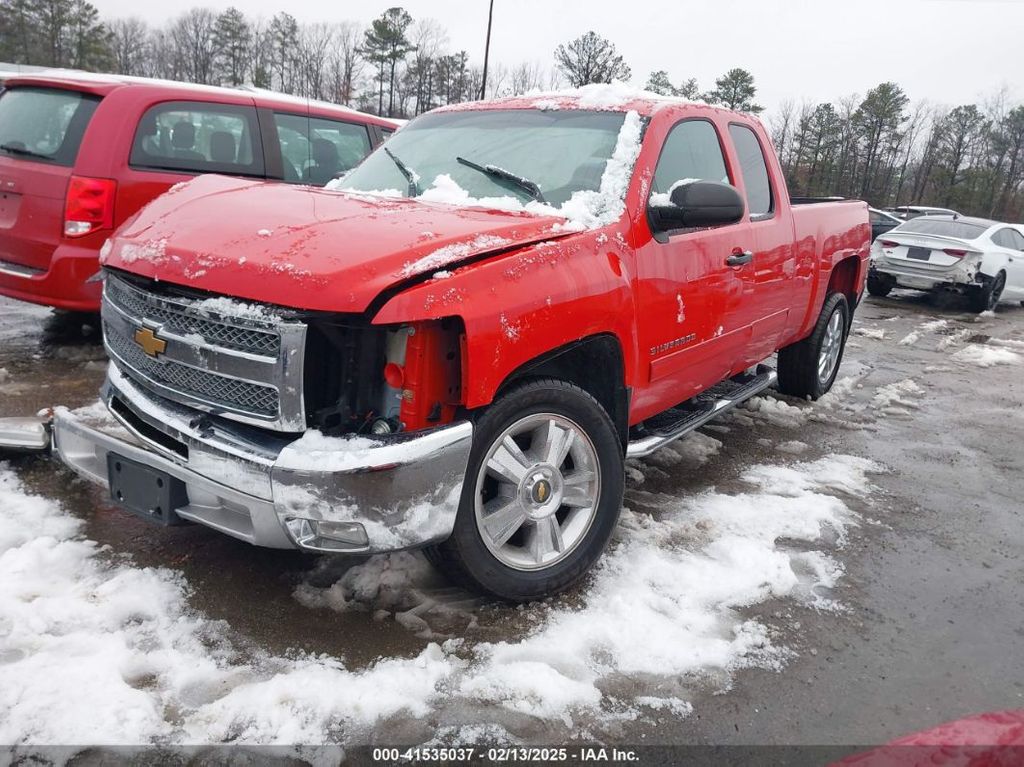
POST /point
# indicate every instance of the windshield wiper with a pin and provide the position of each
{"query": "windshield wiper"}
(405, 170)
(20, 150)
(494, 171)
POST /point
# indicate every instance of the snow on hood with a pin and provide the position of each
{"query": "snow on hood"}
(308, 248)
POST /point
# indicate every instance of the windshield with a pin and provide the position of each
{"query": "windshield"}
(944, 227)
(561, 152)
(44, 125)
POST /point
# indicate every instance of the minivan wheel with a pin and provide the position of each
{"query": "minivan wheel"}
(541, 497)
(809, 367)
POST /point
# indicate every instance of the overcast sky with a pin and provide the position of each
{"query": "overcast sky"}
(946, 51)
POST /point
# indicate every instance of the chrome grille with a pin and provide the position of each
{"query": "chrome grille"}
(200, 384)
(175, 317)
(242, 364)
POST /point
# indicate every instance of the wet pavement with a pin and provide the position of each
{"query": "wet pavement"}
(924, 626)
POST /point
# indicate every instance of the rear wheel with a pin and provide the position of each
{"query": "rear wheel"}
(985, 297)
(809, 367)
(541, 497)
(879, 285)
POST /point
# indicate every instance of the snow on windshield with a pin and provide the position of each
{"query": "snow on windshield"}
(585, 208)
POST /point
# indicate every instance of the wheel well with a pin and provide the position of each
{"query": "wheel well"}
(844, 280)
(595, 364)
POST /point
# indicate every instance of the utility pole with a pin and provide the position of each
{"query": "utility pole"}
(487, 51)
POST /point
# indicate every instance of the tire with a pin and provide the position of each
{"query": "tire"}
(879, 286)
(527, 499)
(986, 297)
(801, 372)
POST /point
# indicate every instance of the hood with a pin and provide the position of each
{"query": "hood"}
(304, 247)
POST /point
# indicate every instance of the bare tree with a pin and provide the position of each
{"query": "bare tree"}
(129, 45)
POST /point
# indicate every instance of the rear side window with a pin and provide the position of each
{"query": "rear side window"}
(692, 151)
(315, 150)
(44, 124)
(943, 227)
(754, 168)
(1009, 238)
(197, 137)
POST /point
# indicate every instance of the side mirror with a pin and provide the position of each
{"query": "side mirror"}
(697, 205)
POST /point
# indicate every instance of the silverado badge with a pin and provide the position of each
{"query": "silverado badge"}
(150, 343)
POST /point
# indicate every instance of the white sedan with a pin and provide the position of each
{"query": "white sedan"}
(981, 259)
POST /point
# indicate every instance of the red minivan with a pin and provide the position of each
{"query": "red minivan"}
(80, 153)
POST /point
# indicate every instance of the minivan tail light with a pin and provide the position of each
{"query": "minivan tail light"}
(89, 205)
(955, 252)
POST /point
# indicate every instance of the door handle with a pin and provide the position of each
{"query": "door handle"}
(739, 258)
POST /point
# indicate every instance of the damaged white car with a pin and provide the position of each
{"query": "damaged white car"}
(981, 259)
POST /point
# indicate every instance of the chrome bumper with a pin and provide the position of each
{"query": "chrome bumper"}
(356, 496)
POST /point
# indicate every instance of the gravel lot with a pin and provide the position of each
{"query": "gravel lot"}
(833, 573)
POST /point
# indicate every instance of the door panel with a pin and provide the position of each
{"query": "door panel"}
(689, 298)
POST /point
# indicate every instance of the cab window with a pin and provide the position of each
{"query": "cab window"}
(315, 150)
(754, 168)
(692, 151)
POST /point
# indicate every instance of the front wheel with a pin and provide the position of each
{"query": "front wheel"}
(541, 497)
(809, 367)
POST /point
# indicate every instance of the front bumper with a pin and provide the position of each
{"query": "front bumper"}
(356, 496)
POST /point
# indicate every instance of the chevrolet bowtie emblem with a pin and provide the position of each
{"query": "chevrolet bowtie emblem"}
(150, 343)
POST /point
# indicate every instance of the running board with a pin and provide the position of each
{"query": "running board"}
(669, 426)
(25, 435)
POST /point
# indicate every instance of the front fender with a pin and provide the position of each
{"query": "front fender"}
(524, 304)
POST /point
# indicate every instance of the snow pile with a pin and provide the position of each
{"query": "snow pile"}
(154, 251)
(898, 398)
(449, 254)
(600, 96)
(664, 605)
(103, 653)
(875, 333)
(664, 199)
(775, 412)
(94, 650)
(910, 338)
(230, 308)
(986, 356)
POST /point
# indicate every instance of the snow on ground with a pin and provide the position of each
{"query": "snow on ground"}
(898, 398)
(93, 649)
(875, 333)
(986, 356)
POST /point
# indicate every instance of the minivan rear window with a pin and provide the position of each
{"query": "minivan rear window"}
(44, 124)
(944, 227)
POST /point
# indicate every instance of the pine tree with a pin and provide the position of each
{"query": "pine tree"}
(233, 37)
(735, 90)
(385, 44)
(590, 59)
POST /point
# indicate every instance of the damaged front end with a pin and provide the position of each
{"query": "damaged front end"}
(281, 428)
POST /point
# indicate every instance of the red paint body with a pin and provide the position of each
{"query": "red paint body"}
(994, 739)
(541, 287)
(55, 268)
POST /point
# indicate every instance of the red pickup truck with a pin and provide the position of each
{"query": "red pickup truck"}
(458, 347)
